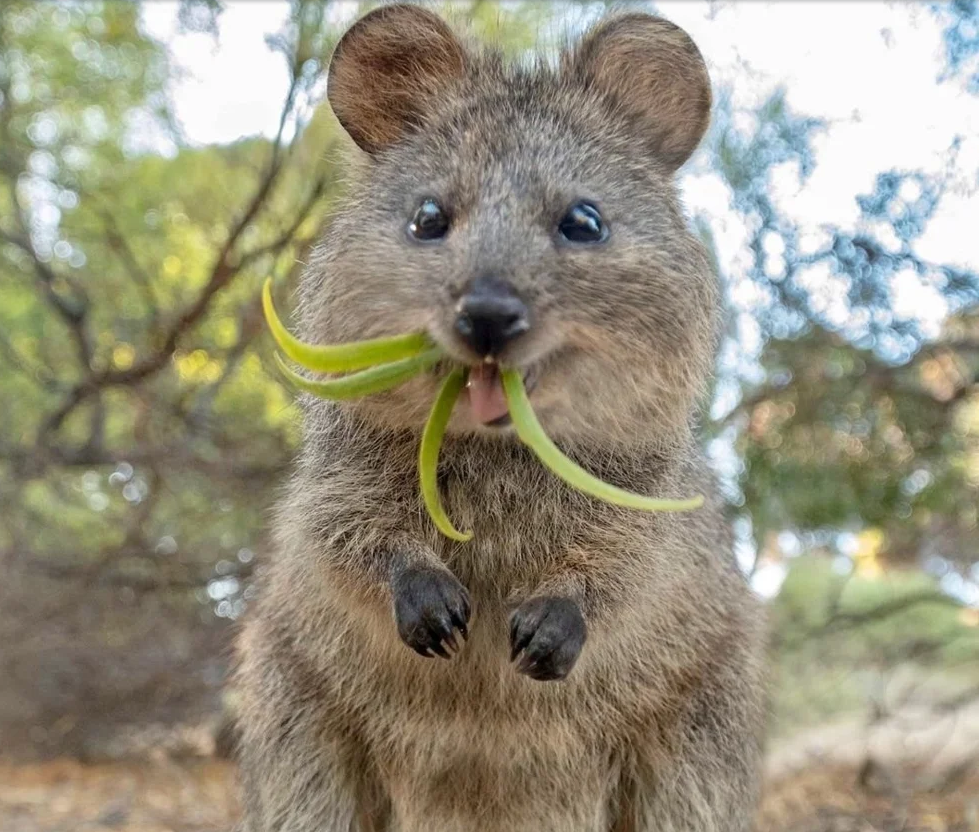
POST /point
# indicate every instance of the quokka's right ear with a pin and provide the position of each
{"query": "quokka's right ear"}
(388, 72)
(653, 73)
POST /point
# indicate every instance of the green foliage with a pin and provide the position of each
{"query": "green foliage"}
(840, 638)
(854, 417)
(848, 441)
(129, 279)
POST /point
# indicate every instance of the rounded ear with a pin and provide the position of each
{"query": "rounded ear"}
(388, 72)
(651, 69)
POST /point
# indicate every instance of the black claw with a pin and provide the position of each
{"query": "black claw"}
(524, 664)
(439, 650)
(459, 617)
(523, 624)
(429, 605)
(420, 649)
(549, 632)
(520, 637)
(441, 625)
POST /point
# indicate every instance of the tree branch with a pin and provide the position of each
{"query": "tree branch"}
(97, 576)
(222, 273)
(32, 462)
(72, 314)
(120, 245)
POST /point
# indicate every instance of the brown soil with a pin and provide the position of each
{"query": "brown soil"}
(65, 796)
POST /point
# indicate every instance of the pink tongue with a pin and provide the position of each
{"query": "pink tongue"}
(486, 398)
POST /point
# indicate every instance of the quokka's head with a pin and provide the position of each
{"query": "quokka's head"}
(523, 216)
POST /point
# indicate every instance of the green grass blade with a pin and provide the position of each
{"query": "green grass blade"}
(428, 454)
(340, 358)
(532, 434)
(375, 380)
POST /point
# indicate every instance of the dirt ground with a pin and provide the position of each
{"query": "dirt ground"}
(65, 796)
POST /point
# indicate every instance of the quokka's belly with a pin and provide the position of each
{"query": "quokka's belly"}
(466, 775)
(469, 745)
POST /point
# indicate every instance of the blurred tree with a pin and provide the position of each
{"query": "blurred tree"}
(850, 413)
(854, 420)
(961, 37)
(130, 277)
(142, 434)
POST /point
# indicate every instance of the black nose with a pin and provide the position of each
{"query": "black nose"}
(490, 316)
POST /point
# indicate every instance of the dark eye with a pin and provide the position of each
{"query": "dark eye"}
(583, 224)
(430, 222)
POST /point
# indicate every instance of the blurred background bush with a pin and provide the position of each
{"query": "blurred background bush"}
(159, 160)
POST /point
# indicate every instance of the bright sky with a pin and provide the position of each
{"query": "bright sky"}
(869, 68)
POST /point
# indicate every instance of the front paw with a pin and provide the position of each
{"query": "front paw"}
(429, 605)
(550, 633)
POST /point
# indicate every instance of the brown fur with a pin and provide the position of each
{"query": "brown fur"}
(657, 726)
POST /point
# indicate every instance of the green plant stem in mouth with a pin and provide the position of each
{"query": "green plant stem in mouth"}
(366, 382)
(428, 454)
(340, 358)
(384, 363)
(532, 434)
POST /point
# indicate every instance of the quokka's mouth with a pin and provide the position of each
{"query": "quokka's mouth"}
(483, 396)
(484, 393)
